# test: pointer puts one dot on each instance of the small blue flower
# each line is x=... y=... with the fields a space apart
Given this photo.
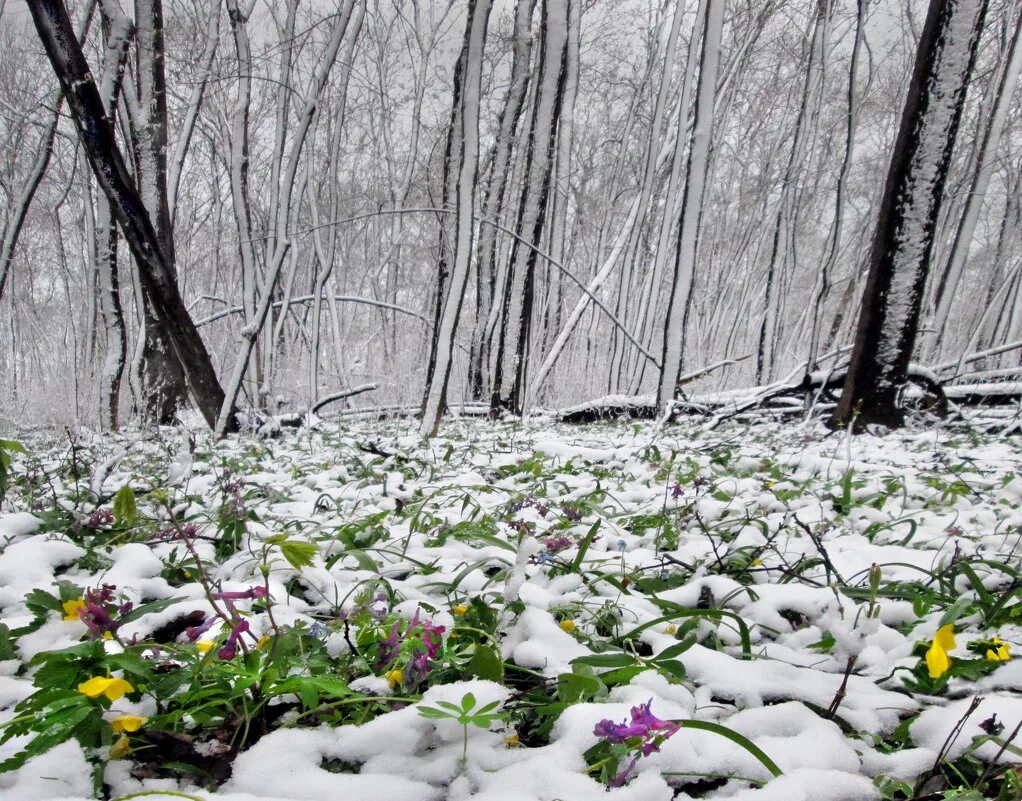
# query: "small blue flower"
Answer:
x=622 y=545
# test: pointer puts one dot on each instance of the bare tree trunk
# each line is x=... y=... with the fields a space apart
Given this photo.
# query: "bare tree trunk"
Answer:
x=347 y=25
x=14 y=218
x=899 y=261
x=460 y=173
x=691 y=208
x=162 y=383
x=495 y=195
x=513 y=345
x=986 y=157
x=97 y=136
x=823 y=280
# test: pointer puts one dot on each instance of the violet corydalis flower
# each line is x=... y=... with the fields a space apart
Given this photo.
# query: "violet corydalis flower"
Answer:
x=242 y=595
x=230 y=648
x=644 y=734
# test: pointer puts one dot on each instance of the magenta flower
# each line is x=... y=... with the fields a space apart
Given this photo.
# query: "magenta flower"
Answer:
x=230 y=648
x=243 y=595
x=99 y=611
x=646 y=730
x=559 y=543
x=194 y=632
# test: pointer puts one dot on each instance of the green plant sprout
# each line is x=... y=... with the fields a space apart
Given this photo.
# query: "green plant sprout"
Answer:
x=466 y=715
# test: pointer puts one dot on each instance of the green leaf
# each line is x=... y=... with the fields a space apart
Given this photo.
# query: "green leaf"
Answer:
x=298 y=554
x=675 y=650
x=468 y=702
x=125 y=509
x=147 y=608
x=486 y=664
x=573 y=688
x=613 y=660
x=434 y=713
x=672 y=667
x=583 y=546
x=6 y=644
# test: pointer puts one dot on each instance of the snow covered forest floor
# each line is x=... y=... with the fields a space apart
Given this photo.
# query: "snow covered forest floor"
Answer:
x=510 y=611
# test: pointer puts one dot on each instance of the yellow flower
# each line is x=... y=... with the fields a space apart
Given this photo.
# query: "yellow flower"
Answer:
x=204 y=645
x=263 y=641
x=1000 y=652
x=568 y=625
x=512 y=741
x=459 y=610
x=945 y=637
x=671 y=629
x=101 y=685
x=127 y=723
x=393 y=677
x=756 y=563
x=73 y=607
x=937 y=659
x=120 y=748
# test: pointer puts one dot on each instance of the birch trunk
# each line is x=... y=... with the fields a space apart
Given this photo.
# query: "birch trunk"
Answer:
x=691 y=208
x=460 y=169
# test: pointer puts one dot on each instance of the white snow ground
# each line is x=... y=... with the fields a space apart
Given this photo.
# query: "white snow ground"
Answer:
x=912 y=503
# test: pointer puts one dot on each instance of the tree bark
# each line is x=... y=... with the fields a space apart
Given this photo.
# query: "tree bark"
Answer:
x=899 y=259
x=460 y=173
x=691 y=210
x=161 y=379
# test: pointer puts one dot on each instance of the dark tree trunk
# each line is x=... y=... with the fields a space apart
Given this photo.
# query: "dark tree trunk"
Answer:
x=97 y=136
x=162 y=380
x=900 y=256
x=508 y=391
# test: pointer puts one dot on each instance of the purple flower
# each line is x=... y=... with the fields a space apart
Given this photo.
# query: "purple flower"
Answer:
x=676 y=491
x=618 y=732
x=641 y=716
x=98 y=612
x=388 y=648
x=559 y=543
x=622 y=777
x=194 y=632
x=230 y=648
x=571 y=512
x=252 y=592
x=647 y=728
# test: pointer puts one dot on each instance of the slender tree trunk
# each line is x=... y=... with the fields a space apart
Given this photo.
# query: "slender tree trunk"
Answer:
x=899 y=260
x=346 y=26
x=986 y=157
x=161 y=379
x=691 y=209
x=513 y=345
x=460 y=172
x=494 y=198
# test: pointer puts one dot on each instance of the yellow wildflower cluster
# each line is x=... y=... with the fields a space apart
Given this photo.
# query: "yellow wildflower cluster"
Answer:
x=999 y=652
